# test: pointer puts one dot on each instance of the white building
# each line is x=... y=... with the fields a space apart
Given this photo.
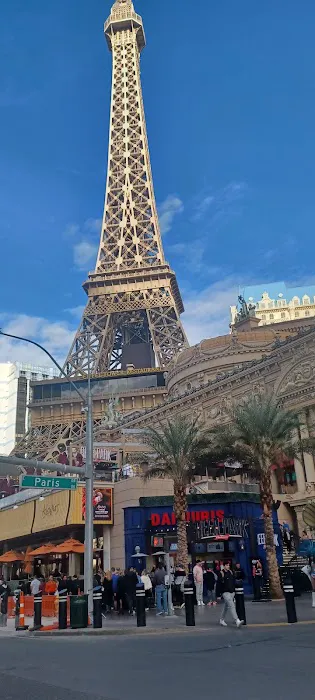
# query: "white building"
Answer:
x=15 y=379
x=276 y=302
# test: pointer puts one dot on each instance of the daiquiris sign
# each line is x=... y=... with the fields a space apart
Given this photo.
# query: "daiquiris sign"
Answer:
x=210 y=524
x=227 y=527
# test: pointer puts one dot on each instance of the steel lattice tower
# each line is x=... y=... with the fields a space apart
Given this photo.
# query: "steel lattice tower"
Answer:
x=133 y=311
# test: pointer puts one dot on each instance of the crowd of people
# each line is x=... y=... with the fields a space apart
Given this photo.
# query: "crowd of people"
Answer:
x=119 y=587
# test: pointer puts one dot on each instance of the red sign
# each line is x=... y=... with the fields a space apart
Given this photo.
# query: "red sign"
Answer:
x=191 y=516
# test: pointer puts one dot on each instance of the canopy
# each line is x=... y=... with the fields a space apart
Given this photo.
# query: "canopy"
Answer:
x=70 y=546
x=11 y=556
x=42 y=551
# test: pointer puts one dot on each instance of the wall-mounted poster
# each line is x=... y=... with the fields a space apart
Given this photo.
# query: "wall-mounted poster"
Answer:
x=102 y=505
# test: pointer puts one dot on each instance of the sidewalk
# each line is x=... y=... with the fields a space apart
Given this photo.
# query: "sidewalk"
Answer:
x=258 y=614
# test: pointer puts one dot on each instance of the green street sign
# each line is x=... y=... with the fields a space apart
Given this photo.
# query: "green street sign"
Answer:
x=48 y=482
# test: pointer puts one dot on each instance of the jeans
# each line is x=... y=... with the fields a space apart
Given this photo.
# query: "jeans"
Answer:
x=211 y=595
x=229 y=605
x=199 y=591
x=161 y=598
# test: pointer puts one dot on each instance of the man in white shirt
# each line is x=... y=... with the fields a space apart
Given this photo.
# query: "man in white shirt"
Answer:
x=35 y=586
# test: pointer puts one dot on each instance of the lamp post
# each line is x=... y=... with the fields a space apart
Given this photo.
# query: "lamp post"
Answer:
x=88 y=409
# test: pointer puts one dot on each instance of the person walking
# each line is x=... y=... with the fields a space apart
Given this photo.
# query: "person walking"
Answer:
x=228 y=585
x=210 y=581
x=35 y=585
x=107 y=597
x=145 y=579
x=198 y=580
x=51 y=586
x=131 y=580
x=121 y=594
x=4 y=596
x=160 y=589
x=239 y=574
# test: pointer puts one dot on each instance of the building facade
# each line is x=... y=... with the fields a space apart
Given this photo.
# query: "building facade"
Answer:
x=15 y=395
x=277 y=303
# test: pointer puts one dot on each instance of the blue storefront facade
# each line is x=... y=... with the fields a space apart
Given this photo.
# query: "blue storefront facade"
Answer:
x=219 y=527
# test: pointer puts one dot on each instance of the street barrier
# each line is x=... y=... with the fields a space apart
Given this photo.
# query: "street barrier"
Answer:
x=37 y=612
x=189 y=604
x=97 y=609
x=62 y=612
x=240 y=603
x=140 y=606
x=20 y=611
x=290 y=602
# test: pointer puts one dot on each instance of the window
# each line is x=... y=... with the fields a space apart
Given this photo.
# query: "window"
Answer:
x=296 y=301
x=307 y=313
x=45 y=376
x=306 y=299
x=262 y=306
x=270 y=305
x=33 y=375
x=22 y=373
x=263 y=318
x=296 y=314
x=271 y=316
x=282 y=314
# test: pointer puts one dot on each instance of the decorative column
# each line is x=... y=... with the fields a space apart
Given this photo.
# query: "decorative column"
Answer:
x=308 y=459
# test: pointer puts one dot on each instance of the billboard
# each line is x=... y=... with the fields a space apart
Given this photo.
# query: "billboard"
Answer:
x=102 y=506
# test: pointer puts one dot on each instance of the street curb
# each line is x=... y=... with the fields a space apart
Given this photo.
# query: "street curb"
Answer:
x=109 y=632
x=161 y=630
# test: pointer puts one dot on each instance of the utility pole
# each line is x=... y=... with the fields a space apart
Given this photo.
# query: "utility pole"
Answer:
x=88 y=472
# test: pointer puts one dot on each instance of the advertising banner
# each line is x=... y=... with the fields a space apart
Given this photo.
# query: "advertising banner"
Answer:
x=102 y=506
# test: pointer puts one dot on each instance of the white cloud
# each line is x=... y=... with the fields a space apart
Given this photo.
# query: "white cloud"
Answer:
x=55 y=336
x=71 y=230
x=220 y=204
x=171 y=206
x=93 y=226
x=84 y=253
x=207 y=312
x=76 y=311
x=86 y=243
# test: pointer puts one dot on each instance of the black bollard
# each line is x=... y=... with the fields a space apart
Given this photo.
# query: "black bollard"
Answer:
x=62 y=612
x=240 y=603
x=97 y=609
x=290 y=602
x=17 y=608
x=140 y=606
x=38 y=611
x=189 y=604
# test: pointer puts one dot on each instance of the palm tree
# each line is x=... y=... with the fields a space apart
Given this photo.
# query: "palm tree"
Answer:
x=177 y=445
x=260 y=434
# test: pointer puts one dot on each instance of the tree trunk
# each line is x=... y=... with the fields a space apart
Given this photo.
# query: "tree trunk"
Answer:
x=180 y=507
x=267 y=503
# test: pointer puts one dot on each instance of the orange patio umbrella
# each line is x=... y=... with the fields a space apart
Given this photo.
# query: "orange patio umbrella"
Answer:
x=70 y=546
x=11 y=556
x=42 y=551
x=28 y=561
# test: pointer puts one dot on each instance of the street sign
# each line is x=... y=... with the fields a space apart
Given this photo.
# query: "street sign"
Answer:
x=48 y=482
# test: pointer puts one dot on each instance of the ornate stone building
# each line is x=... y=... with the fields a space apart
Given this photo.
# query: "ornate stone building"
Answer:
x=206 y=379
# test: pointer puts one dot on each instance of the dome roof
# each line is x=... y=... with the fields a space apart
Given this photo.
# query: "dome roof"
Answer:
x=237 y=342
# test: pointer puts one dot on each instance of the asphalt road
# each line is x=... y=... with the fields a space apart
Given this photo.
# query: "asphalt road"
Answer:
x=253 y=663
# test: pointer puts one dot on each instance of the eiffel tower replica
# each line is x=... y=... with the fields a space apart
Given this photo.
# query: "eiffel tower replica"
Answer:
x=132 y=316
x=131 y=323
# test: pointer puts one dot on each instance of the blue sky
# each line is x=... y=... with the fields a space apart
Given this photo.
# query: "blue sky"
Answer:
x=230 y=106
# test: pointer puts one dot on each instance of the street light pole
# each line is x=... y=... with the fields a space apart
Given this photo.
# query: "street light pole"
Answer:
x=89 y=520
x=88 y=409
